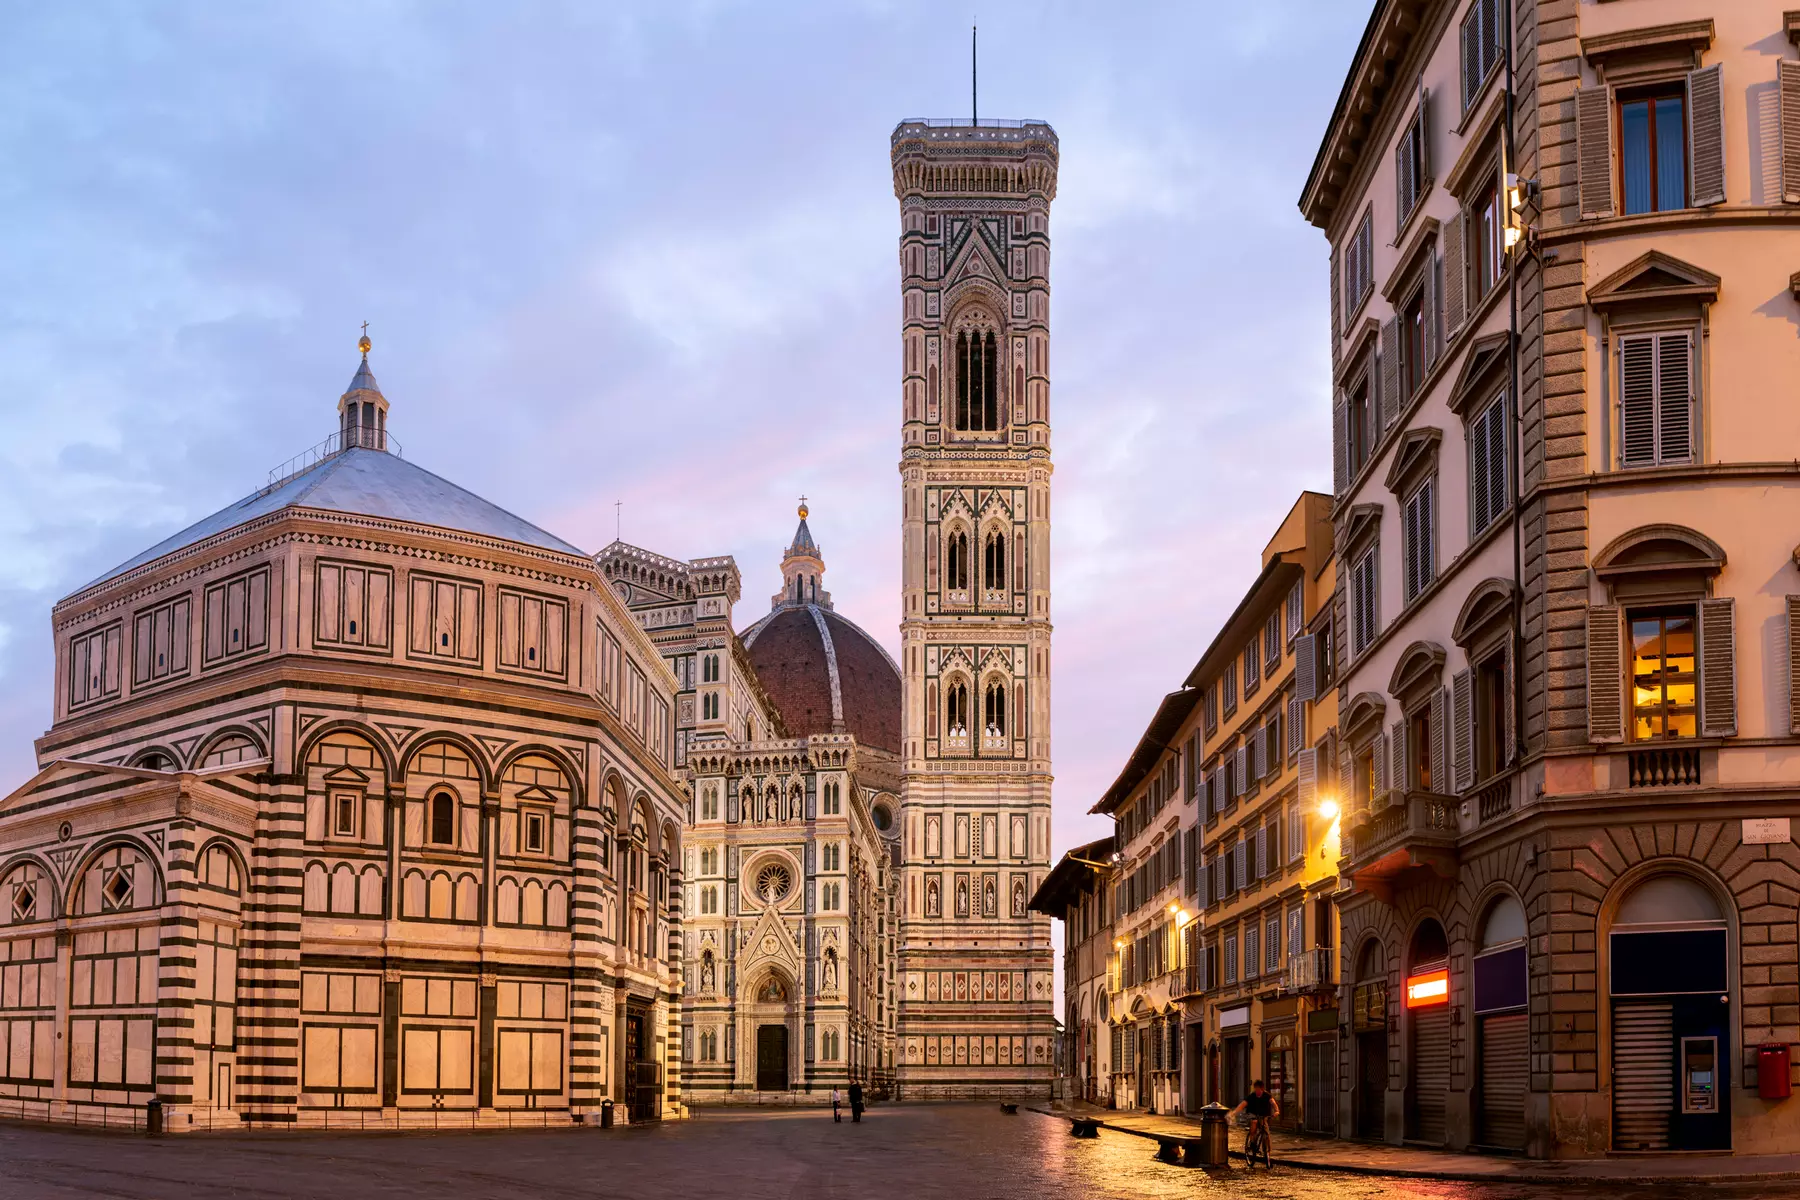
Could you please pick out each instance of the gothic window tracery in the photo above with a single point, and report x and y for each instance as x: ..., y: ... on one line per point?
x: 993, y: 562
x: 956, y: 710
x: 993, y: 710
x: 977, y: 390
x: 956, y: 562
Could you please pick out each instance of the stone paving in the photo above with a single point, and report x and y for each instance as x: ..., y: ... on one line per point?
x: 918, y: 1152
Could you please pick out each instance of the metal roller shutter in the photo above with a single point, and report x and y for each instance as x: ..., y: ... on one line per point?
x: 1429, y: 1087
x: 1643, y: 1041
x: 1320, y: 1099
x: 1505, y: 1078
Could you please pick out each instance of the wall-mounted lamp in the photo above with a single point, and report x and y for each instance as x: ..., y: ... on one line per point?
x: 1328, y: 808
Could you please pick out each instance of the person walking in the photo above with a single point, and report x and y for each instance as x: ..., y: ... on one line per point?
x: 835, y: 1114
x: 856, y: 1103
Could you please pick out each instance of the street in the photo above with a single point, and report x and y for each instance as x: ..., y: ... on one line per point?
x: 925, y: 1151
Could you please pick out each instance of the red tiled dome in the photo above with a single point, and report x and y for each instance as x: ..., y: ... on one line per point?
x: 801, y: 651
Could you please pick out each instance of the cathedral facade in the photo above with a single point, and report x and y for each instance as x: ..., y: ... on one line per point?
x: 977, y: 994
x: 359, y: 808
x: 788, y: 734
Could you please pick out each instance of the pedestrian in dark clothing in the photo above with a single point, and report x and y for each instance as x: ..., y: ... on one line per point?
x: 856, y: 1102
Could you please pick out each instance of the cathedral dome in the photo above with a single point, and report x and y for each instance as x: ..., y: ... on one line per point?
x: 826, y: 675
x: 823, y: 673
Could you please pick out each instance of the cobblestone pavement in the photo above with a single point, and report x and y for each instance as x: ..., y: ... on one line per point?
x: 963, y: 1151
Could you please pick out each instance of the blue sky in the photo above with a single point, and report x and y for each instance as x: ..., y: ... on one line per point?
x: 645, y: 253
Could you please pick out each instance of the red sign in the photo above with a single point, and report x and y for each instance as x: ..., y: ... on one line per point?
x: 1433, y: 987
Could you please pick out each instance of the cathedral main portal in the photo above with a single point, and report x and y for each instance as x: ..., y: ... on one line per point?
x: 771, y: 1058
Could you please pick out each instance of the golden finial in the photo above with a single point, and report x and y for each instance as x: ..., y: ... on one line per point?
x: 364, y: 343
x: 803, y: 508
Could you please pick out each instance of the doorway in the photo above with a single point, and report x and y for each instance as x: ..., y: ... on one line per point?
x: 1237, y: 1069
x: 771, y: 1058
x: 641, y: 1073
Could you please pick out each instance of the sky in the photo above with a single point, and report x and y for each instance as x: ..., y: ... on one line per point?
x: 633, y: 267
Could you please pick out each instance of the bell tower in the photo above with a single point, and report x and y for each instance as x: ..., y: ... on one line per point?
x: 976, y: 987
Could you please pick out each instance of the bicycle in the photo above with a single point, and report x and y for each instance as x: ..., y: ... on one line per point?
x: 1256, y: 1141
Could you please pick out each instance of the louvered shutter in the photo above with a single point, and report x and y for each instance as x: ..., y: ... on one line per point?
x: 1718, y: 668
x: 1379, y: 782
x: 1423, y: 127
x: 1510, y: 732
x: 1308, y: 770
x: 1259, y: 762
x: 1241, y: 874
x: 1706, y: 135
x: 1336, y: 318
x: 1296, y: 722
x: 1262, y: 852
x: 1406, y: 187
x: 1637, y: 400
x: 1462, y: 740
x: 1346, y: 776
x: 1241, y: 776
x: 1787, y: 76
x: 1340, y: 444
x: 1455, y: 276
x: 1793, y: 647
x: 1397, y: 773
x: 1392, y: 402
x: 1674, y: 397
x: 1593, y: 150
x: 1433, y: 336
x: 1306, y: 663
x: 1440, y: 704
x: 1605, y: 676
x: 1471, y: 58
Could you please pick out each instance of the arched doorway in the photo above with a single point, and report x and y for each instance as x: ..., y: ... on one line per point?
x: 1428, y: 1030
x: 1368, y: 1024
x: 770, y: 1018
x: 1502, y: 1025
x: 1669, y: 970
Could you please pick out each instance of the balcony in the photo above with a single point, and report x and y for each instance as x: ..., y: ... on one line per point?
x: 1494, y: 799
x: 1412, y: 834
x: 1663, y: 766
x: 1313, y: 971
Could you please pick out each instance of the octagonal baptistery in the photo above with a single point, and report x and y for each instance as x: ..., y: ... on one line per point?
x: 357, y: 810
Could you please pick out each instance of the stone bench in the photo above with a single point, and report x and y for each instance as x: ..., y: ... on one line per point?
x: 1084, y: 1127
x: 1181, y: 1149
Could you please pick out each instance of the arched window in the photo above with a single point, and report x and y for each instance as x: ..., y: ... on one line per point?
x: 443, y: 819
x: 956, y: 710
x: 977, y: 393
x: 956, y: 562
x: 993, y: 562
x: 993, y: 710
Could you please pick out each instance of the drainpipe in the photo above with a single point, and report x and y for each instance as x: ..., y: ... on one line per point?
x: 1516, y: 432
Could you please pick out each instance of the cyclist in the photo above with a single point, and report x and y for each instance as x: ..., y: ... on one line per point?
x: 1260, y: 1104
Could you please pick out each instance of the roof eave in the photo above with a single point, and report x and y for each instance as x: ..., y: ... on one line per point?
x: 1389, y: 30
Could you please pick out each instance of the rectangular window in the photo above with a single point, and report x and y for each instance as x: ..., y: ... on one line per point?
x: 1411, y: 165
x: 1229, y: 684
x: 1359, y: 265
x: 1252, y: 669
x: 345, y: 808
x: 1231, y: 960
x: 1419, y: 533
x: 1482, y: 42
x: 1656, y: 396
x: 1412, y: 344
x: 1272, y: 643
x: 1252, y: 955
x: 1360, y: 428
x: 1653, y: 149
x: 537, y: 832
x: 1296, y: 614
x: 1418, y: 749
x: 1363, y: 610
x: 1487, y: 227
x: 1490, y: 489
x: 1490, y: 716
x: 1662, y: 674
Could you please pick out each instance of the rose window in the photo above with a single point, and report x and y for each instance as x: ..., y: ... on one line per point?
x: 773, y: 882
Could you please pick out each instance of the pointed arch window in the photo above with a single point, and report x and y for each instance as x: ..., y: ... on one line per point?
x: 977, y: 393
x: 956, y: 710
x: 993, y: 710
x: 993, y: 562
x: 956, y: 562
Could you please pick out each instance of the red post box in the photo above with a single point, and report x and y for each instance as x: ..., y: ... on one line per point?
x: 1772, y: 1071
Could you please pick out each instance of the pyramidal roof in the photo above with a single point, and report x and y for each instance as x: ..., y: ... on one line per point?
x: 366, y: 481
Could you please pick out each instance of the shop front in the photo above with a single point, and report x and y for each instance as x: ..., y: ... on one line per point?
x: 1369, y: 1049
x: 1502, y: 1027
x: 1427, y: 1017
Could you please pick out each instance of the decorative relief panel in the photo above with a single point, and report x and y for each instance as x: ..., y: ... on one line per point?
x: 353, y: 607
x: 237, y: 617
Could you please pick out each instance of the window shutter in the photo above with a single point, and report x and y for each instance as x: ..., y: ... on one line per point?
x: 1454, y: 275
x: 1378, y: 784
x: 1471, y: 57
x: 1340, y: 443
x: 1306, y: 676
x: 1296, y: 727
x: 1243, y: 864
x: 1345, y: 778
x: 1718, y: 668
x: 1242, y: 774
x: 1406, y: 188
x: 1605, y: 675
x: 1262, y: 852
x: 1433, y: 337
x: 1308, y: 767
x: 1706, y: 135
x: 1336, y: 332
x: 1462, y: 730
x: 1509, y: 735
x: 1392, y: 402
x: 1397, y: 756
x: 1787, y: 75
x: 1440, y: 704
x: 1637, y: 401
x: 1259, y: 761
x: 1593, y: 150
x: 1674, y: 397
x: 1422, y: 132
x: 1793, y: 644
